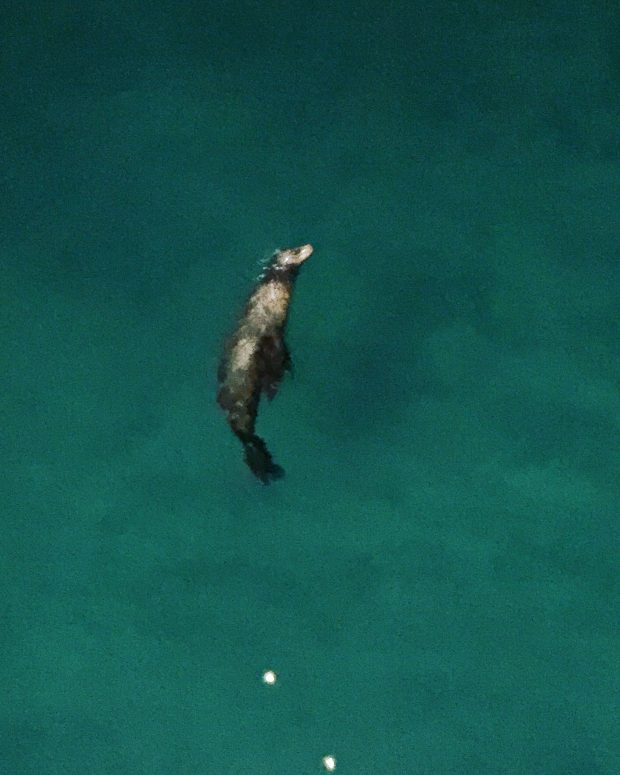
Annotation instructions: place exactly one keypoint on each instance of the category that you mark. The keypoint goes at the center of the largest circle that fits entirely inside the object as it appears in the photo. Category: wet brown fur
(256, 358)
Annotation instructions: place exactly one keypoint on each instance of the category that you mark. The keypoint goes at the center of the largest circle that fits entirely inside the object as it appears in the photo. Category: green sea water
(435, 580)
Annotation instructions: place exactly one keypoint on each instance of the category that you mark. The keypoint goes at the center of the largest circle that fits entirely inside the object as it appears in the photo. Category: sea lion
(256, 357)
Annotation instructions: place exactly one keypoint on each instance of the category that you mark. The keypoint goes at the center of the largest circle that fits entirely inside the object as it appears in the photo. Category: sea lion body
(256, 357)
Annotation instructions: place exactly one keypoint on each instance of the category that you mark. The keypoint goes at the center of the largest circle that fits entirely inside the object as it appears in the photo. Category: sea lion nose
(305, 250)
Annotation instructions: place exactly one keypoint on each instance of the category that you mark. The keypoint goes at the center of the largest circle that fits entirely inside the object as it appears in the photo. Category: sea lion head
(289, 257)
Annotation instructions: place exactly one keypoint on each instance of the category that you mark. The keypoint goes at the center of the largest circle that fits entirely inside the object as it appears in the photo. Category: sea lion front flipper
(275, 360)
(288, 363)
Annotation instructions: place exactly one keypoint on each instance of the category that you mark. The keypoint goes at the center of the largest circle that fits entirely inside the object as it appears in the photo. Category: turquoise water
(435, 579)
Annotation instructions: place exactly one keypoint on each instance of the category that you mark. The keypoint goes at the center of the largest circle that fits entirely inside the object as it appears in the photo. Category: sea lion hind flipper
(260, 462)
